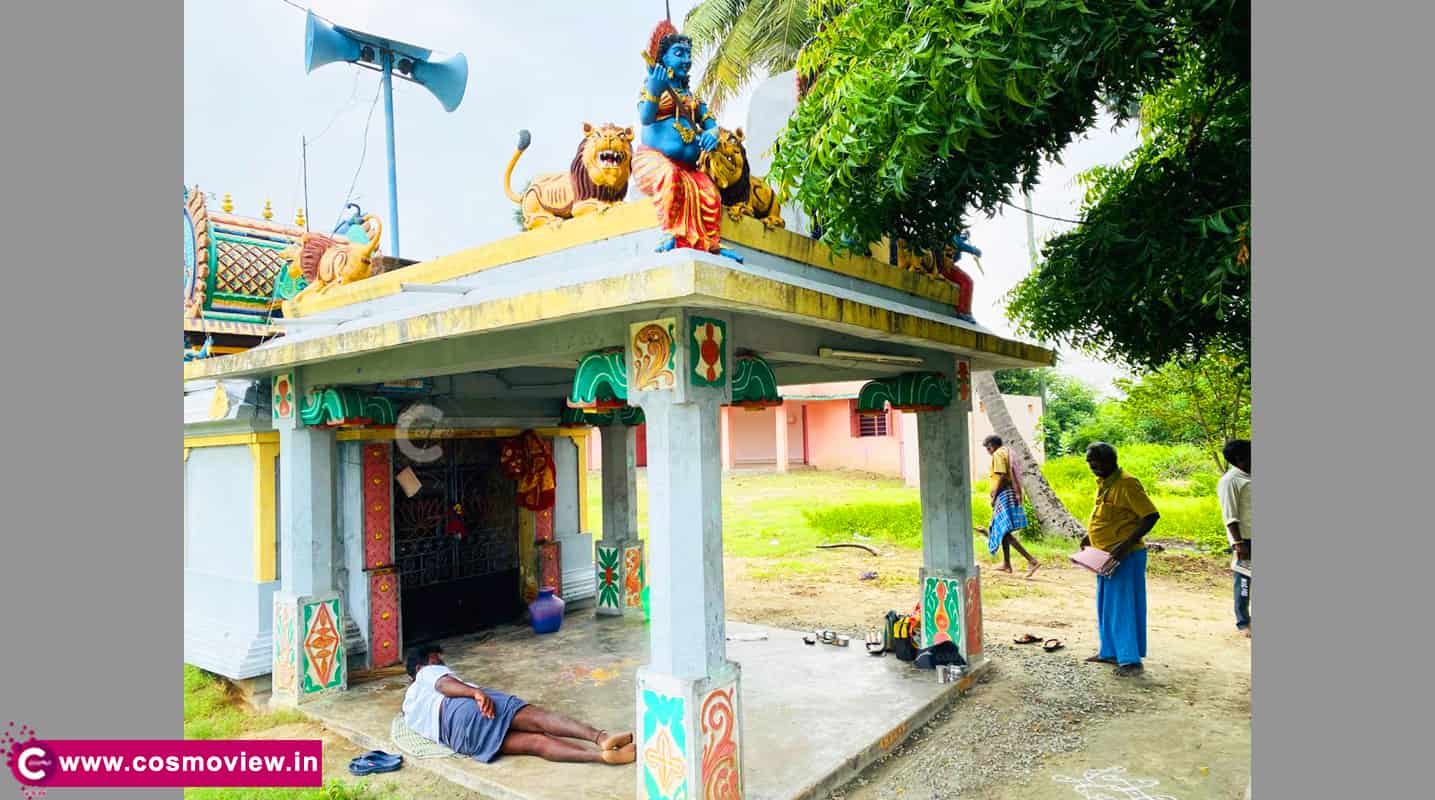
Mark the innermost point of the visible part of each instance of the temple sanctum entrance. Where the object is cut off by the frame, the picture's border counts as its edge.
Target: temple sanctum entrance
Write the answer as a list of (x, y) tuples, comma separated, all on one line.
[(456, 540)]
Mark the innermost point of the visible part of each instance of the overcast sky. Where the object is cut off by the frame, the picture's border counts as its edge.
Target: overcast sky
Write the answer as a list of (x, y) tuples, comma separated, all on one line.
[(544, 65)]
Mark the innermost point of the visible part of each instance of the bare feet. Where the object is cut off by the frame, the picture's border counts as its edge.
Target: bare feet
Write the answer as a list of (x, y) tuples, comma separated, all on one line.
[(1032, 571), (1005, 568), (1097, 659), (626, 754), (613, 742), (1246, 632)]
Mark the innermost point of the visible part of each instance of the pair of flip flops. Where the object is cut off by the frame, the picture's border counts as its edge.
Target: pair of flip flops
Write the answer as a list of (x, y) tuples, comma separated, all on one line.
[(374, 762), (827, 637), (1049, 645)]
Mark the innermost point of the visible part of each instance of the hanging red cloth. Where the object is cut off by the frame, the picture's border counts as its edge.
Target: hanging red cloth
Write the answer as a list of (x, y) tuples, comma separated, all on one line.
[(527, 460)]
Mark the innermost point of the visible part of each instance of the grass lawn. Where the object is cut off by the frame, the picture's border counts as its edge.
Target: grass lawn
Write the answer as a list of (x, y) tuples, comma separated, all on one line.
[(782, 517), (211, 711)]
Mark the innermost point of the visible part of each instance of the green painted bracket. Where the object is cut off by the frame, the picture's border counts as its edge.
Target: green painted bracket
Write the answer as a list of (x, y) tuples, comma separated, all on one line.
[(754, 385), (340, 406), (601, 381), (910, 391)]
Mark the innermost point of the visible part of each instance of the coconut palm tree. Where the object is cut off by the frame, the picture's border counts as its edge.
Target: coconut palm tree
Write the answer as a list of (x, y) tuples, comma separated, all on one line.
[(739, 38)]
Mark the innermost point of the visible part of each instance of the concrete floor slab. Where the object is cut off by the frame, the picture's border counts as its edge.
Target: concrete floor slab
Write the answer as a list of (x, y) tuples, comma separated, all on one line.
[(814, 715)]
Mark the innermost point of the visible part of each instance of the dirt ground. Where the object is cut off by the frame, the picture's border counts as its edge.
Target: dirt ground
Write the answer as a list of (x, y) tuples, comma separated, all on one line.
[(1046, 725), (1042, 725)]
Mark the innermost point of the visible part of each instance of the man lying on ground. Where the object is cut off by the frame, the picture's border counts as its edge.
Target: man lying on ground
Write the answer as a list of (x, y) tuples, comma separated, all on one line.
[(485, 722)]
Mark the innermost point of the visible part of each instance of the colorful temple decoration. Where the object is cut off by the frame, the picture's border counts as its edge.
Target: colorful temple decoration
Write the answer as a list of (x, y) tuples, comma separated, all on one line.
[(527, 461), (601, 382), (754, 385), (910, 391), (709, 351), (678, 129), (596, 180), (578, 418), (231, 264), (344, 406)]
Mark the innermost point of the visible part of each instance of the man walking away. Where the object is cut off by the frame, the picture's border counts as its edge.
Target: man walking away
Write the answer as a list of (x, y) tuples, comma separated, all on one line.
[(1234, 490), (1008, 515)]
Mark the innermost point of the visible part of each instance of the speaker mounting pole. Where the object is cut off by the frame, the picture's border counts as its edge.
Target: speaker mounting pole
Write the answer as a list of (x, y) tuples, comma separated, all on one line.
[(326, 43), (389, 136)]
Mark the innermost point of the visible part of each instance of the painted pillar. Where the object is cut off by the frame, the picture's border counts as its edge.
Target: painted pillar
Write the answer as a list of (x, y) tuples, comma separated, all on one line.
[(726, 439), (780, 413), (309, 653), (689, 694), (620, 552), (951, 594)]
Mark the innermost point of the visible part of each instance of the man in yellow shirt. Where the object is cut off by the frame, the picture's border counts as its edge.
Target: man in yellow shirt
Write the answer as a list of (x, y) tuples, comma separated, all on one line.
[(1008, 515), (1120, 520)]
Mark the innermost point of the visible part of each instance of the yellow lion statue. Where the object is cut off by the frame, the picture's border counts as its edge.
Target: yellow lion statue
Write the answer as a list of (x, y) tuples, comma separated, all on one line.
[(596, 181), (326, 262), (742, 194)]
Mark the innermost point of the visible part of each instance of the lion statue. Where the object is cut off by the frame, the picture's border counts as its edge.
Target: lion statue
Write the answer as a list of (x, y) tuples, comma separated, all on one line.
[(325, 262), (597, 179), (742, 194)]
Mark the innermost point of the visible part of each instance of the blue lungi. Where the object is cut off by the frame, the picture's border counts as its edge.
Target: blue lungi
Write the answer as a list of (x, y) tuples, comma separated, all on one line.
[(1121, 610), (1008, 516), (462, 727)]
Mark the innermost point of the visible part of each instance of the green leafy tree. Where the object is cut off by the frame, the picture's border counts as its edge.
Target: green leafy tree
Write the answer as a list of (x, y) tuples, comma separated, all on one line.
[(1068, 402), (1209, 399), (919, 114), (739, 38)]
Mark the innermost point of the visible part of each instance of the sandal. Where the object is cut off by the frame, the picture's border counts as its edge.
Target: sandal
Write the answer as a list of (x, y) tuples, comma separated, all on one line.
[(1097, 659), (1026, 638), (809, 639), (1052, 645)]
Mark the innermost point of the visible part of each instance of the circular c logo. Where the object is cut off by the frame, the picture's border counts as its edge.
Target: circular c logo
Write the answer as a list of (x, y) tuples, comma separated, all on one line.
[(33, 763)]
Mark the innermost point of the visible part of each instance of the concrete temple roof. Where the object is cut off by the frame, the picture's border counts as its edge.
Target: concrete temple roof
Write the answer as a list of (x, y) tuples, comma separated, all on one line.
[(605, 264)]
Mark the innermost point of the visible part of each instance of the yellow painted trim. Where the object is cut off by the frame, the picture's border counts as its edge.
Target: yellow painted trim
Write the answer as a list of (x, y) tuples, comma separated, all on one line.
[(748, 232), (606, 294), (227, 439), (186, 454), (742, 290), (691, 282), (582, 442), (264, 454), (621, 220)]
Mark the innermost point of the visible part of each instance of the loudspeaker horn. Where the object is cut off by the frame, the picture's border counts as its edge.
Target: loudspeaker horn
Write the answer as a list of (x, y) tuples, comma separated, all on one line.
[(324, 45), (447, 79)]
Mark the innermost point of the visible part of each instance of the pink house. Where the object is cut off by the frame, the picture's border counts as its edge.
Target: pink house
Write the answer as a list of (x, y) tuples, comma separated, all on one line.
[(817, 426)]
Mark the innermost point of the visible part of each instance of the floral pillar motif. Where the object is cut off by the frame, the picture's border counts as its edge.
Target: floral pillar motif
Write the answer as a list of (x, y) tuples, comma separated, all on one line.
[(633, 578), (689, 743), (285, 669), (283, 401), (652, 355), (941, 611), (709, 351), (322, 655), (610, 580), (721, 768), (664, 755)]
